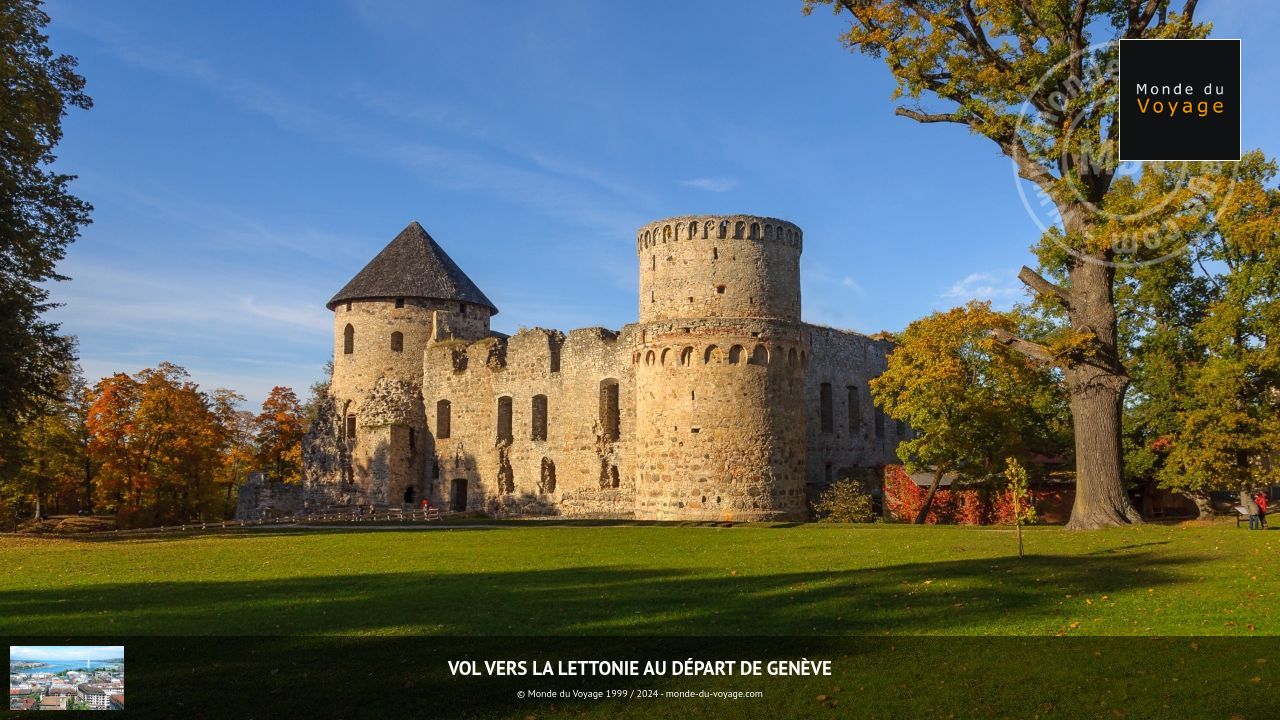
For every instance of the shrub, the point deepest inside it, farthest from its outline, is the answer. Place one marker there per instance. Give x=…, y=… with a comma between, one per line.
x=844, y=501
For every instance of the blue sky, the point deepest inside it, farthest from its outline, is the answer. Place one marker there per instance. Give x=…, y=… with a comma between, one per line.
x=65, y=652
x=245, y=159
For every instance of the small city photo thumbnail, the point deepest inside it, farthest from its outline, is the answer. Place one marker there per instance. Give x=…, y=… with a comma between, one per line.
x=66, y=677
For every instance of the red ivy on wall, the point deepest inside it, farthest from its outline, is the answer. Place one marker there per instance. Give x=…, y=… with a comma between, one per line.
x=963, y=506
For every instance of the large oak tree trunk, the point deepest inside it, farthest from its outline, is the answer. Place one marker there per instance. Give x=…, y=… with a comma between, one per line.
x=1096, y=385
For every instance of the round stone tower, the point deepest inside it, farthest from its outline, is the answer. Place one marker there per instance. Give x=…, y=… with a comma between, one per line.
x=410, y=295
x=720, y=365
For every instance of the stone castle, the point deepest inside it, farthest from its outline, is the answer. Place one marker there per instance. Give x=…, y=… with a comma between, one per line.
x=719, y=403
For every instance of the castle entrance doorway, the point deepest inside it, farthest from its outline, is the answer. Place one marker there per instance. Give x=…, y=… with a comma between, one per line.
x=409, y=495
x=458, y=496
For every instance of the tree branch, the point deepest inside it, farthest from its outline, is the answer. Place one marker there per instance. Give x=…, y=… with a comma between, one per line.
x=1032, y=350
x=1036, y=281
x=924, y=117
x=1029, y=11
x=1028, y=169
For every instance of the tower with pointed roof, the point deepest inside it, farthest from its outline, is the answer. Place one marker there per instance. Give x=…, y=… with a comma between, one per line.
x=412, y=294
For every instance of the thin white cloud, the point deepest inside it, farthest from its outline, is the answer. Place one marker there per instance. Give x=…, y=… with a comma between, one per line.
x=551, y=185
x=1000, y=287
x=852, y=284
x=711, y=184
x=310, y=316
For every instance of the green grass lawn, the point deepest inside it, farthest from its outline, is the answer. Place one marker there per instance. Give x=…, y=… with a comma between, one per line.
x=360, y=623
x=562, y=579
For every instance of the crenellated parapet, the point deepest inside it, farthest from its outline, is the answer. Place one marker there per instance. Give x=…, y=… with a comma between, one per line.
x=752, y=228
x=730, y=266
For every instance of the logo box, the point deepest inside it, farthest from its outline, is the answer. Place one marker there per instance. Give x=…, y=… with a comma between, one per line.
x=1179, y=100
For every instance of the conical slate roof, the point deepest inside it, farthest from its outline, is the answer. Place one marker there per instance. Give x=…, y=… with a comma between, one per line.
x=412, y=265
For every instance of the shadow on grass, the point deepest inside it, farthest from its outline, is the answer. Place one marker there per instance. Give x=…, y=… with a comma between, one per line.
x=983, y=596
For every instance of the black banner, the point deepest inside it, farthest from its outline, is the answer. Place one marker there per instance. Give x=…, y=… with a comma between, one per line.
x=705, y=677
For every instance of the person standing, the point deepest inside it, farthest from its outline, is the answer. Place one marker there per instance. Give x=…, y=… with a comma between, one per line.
x=1261, y=501
x=1250, y=507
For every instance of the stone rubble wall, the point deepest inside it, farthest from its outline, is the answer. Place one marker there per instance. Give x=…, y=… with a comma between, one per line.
x=719, y=266
x=259, y=499
x=721, y=420
x=845, y=359
x=578, y=468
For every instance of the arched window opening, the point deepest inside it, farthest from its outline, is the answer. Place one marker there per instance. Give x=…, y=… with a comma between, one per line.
x=397, y=341
x=824, y=405
x=666, y=233
x=351, y=428
x=735, y=355
x=609, y=410
x=755, y=231
x=760, y=355
x=686, y=356
x=539, y=413
x=648, y=358
x=444, y=419
x=348, y=340
x=738, y=228
x=693, y=230
x=547, y=484
x=724, y=228
x=666, y=355
x=712, y=355
x=791, y=357
x=855, y=411
x=504, y=419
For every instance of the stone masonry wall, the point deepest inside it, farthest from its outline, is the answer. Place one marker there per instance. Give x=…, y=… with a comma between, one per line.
x=720, y=420
x=579, y=469
x=846, y=362
x=720, y=369
x=376, y=387
x=719, y=266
